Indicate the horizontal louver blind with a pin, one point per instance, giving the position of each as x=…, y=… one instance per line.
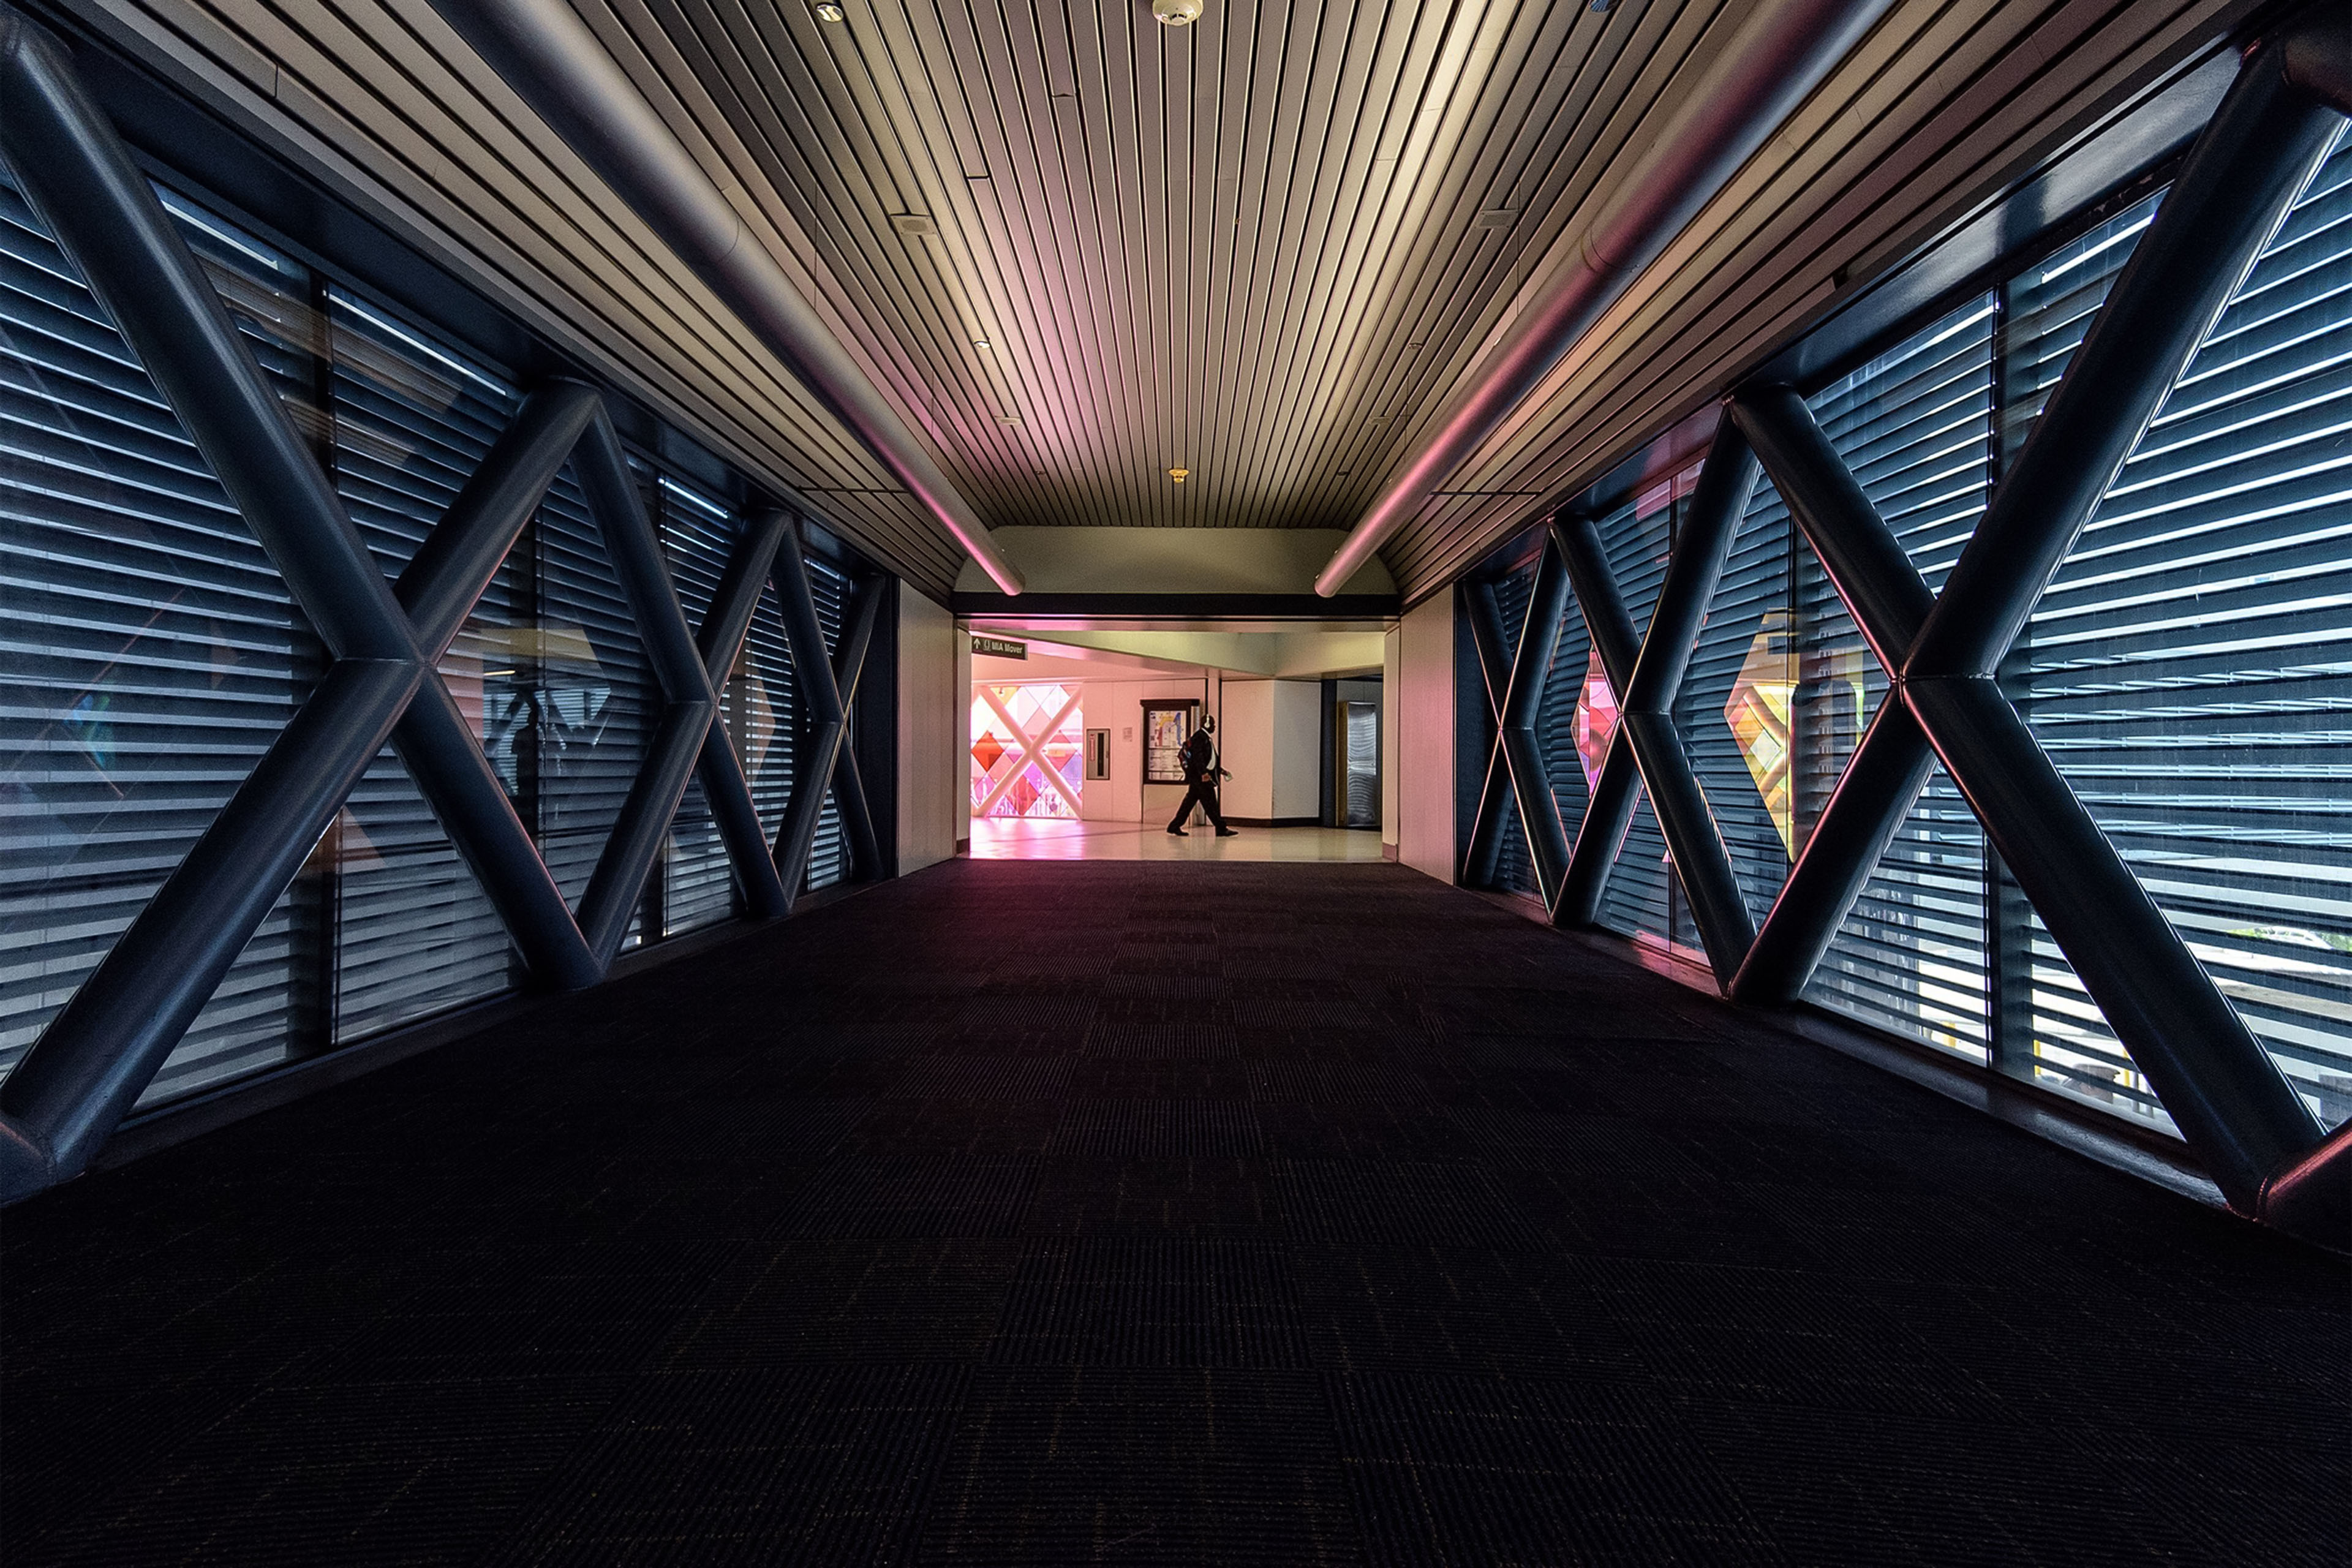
x=829, y=862
x=698, y=885
x=1514, y=866
x=2190, y=669
x=413, y=421
x=1635, y=539
x=1914, y=426
x=1736, y=707
x=150, y=656
x=1556, y=719
x=593, y=690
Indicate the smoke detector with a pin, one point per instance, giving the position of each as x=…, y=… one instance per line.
x=1176, y=13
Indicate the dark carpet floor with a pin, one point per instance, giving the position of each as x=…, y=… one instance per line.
x=1156, y=1213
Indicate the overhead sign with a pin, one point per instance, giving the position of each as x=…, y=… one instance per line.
x=998, y=648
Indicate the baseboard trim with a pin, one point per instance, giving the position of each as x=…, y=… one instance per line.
x=1273, y=821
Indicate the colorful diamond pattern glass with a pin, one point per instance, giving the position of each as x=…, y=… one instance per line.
x=1596, y=718
x=1028, y=744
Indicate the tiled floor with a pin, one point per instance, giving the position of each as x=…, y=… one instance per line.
x=1155, y=1213
x=1017, y=838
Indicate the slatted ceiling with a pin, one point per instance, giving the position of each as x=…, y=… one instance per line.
x=404, y=117
x=1887, y=189
x=1049, y=162
x=1208, y=246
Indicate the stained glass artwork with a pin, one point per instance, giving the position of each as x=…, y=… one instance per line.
x=1596, y=718
x=1027, y=750
x=1759, y=714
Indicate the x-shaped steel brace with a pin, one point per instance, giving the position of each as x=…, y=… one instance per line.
x=1516, y=777
x=383, y=640
x=1646, y=677
x=1943, y=654
x=829, y=689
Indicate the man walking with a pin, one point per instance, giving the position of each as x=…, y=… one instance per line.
x=1199, y=761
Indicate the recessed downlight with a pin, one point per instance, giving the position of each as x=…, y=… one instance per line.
x=830, y=13
x=1179, y=475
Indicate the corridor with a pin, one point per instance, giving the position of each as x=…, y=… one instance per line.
x=1156, y=1213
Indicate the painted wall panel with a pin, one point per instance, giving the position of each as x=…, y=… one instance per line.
x=930, y=751
x=1424, y=738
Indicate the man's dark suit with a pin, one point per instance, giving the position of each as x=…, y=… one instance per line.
x=1199, y=761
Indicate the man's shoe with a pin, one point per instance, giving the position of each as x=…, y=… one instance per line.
x=1180, y=833
x=1227, y=833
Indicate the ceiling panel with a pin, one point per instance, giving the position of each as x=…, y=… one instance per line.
x=1080, y=249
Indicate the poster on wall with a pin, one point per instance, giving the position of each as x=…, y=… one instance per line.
x=1167, y=725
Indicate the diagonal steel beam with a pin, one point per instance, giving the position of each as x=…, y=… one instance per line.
x=1548, y=845
x=2262, y=147
x=2228, y=1097
x=1873, y=795
x=1609, y=806
x=1889, y=602
x=453, y=568
x=848, y=781
x=721, y=643
x=821, y=686
x=1647, y=678
x=1515, y=776
x=1646, y=703
x=617, y=885
x=105, y=1045
x=1482, y=856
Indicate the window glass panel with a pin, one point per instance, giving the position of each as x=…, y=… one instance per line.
x=151, y=653
x=1515, y=869
x=2191, y=669
x=829, y=860
x=1566, y=731
x=697, y=885
x=1636, y=539
x=584, y=720
x=411, y=422
x=1915, y=425
x=1738, y=707
x=764, y=710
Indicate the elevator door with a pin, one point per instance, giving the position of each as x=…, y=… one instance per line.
x=1359, y=792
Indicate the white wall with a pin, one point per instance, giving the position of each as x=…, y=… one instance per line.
x=1246, y=747
x=1270, y=739
x=930, y=761
x=1424, y=738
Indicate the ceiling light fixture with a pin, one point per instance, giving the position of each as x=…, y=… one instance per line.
x=915, y=226
x=830, y=13
x=1176, y=13
x=1179, y=475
